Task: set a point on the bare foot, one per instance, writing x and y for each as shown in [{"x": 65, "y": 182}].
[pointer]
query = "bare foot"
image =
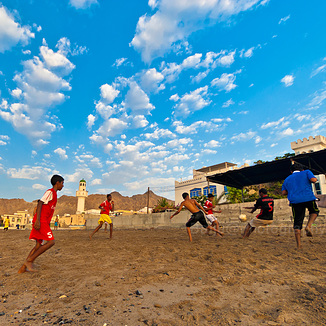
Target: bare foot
[
  {"x": 308, "y": 232},
  {"x": 30, "y": 267},
  {"x": 90, "y": 237},
  {"x": 22, "y": 269}
]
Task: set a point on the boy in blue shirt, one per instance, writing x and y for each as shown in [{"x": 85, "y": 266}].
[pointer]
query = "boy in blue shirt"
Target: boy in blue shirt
[{"x": 297, "y": 187}]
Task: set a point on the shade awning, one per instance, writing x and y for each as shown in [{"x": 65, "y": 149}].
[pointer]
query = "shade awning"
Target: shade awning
[{"x": 270, "y": 171}]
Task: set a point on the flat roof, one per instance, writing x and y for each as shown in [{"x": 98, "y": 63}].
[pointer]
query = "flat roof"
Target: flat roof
[
  {"x": 271, "y": 171},
  {"x": 216, "y": 167}
]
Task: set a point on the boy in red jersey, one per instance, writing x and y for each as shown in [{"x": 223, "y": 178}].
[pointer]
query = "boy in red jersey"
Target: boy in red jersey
[
  {"x": 41, "y": 224},
  {"x": 209, "y": 208},
  {"x": 106, "y": 207}
]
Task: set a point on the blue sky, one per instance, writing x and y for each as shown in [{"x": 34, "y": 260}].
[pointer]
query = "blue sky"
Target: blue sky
[{"x": 131, "y": 94}]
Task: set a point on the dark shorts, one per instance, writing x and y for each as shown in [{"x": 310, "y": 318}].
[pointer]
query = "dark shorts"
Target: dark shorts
[
  {"x": 197, "y": 217},
  {"x": 299, "y": 211}
]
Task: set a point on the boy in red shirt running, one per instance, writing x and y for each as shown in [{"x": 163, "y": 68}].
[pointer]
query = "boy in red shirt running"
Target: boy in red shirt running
[
  {"x": 41, "y": 224},
  {"x": 209, "y": 208},
  {"x": 106, "y": 207}
]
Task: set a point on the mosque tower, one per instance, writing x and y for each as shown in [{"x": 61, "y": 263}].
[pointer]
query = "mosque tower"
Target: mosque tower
[{"x": 81, "y": 195}]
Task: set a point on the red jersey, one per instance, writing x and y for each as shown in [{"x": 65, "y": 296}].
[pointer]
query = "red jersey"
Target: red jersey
[
  {"x": 106, "y": 207},
  {"x": 49, "y": 200},
  {"x": 209, "y": 207}
]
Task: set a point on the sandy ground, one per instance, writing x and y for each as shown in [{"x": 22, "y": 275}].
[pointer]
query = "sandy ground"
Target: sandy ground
[{"x": 156, "y": 277}]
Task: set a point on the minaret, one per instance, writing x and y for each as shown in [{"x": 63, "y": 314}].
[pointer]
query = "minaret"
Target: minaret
[{"x": 81, "y": 195}]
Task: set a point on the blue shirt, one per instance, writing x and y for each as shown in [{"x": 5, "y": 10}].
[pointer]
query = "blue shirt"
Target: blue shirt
[{"x": 298, "y": 186}]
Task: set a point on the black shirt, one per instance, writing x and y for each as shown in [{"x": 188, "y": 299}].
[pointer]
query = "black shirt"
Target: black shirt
[{"x": 266, "y": 205}]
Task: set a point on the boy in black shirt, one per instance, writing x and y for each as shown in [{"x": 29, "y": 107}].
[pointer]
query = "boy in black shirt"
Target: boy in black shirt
[{"x": 265, "y": 217}]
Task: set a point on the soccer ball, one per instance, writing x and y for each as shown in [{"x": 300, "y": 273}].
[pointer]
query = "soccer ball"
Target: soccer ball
[{"x": 243, "y": 217}]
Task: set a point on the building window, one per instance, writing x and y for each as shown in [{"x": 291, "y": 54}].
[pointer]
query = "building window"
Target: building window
[
  {"x": 318, "y": 189},
  {"x": 195, "y": 192},
  {"x": 211, "y": 190}
]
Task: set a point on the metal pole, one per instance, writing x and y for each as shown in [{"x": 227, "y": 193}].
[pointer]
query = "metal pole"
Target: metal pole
[{"x": 147, "y": 200}]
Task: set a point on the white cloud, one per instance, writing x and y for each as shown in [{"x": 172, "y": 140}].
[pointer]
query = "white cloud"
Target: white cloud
[
  {"x": 112, "y": 127},
  {"x": 191, "y": 102},
  {"x": 225, "y": 82},
  {"x": 151, "y": 81},
  {"x": 109, "y": 93},
  {"x": 212, "y": 144},
  {"x": 287, "y": 80},
  {"x": 38, "y": 186},
  {"x": 80, "y": 173},
  {"x": 243, "y": 136},
  {"x": 137, "y": 100},
  {"x": 175, "y": 20},
  {"x": 258, "y": 139},
  {"x": 61, "y": 152},
  {"x": 318, "y": 70},
  {"x": 11, "y": 33},
  {"x": 42, "y": 85},
  {"x": 287, "y": 132},
  {"x": 228, "y": 103},
  {"x": 30, "y": 173},
  {"x": 139, "y": 121},
  {"x": 180, "y": 128},
  {"x": 284, "y": 19},
  {"x": 227, "y": 60},
  {"x": 159, "y": 133},
  {"x": 208, "y": 151},
  {"x": 82, "y": 4},
  {"x": 90, "y": 121},
  {"x": 119, "y": 62},
  {"x": 273, "y": 124},
  {"x": 95, "y": 182}
]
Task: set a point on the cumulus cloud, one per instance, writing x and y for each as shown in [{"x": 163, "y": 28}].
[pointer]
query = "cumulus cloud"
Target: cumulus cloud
[
  {"x": 159, "y": 133},
  {"x": 287, "y": 132},
  {"x": 30, "y": 173},
  {"x": 175, "y": 20},
  {"x": 151, "y": 81},
  {"x": 287, "y": 80},
  {"x": 61, "y": 152},
  {"x": 96, "y": 182},
  {"x": 137, "y": 100},
  {"x": 225, "y": 82},
  {"x": 38, "y": 186},
  {"x": 80, "y": 173},
  {"x": 82, "y": 4},
  {"x": 243, "y": 136},
  {"x": 11, "y": 32},
  {"x": 213, "y": 144},
  {"x": 109, "y": 93},
  {"x": 228, "y": 103},
  {"x": 90, "y": 121},
  {"x": 41, "y": 86},
  {"x": 191, "y": 102}
]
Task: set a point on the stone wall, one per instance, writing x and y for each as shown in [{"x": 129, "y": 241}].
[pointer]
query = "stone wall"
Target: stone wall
[{"x": 229, "y": 216}]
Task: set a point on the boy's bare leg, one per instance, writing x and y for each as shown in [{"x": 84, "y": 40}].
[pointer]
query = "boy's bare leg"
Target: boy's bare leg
[
  {"x": 215, "y": 230},
  {"x": 189, "y": 234},
  {"x": 106, "y": 227},
  {"x": 297, "y": 234},
  {"x": 22, "y": 269},
  {"x": 312, "y": 218},
  {"x": 97, "y": 228},
  {"x": 111, "y": 229},
  {"x": 39, "y": 251}
]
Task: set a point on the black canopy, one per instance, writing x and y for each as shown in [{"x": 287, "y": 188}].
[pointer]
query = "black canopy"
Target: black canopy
[{"x": 271, "y": 171}]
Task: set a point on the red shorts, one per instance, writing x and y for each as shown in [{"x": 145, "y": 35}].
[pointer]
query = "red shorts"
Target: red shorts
[{"x": 44, "y": 233}]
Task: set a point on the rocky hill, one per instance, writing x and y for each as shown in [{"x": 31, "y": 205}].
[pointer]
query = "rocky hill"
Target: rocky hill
[{"x": 68, "y": 204}]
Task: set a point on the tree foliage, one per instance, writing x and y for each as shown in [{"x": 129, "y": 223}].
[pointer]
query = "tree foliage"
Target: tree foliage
[{"x": 162, "y": 205}]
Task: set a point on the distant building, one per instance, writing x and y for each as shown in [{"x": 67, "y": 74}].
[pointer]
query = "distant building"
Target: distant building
[
  {"x": 21, "y": 218},
  {"x": 81, "y": 195},
  {"x": 312, "y": 144},
  {"x": 198, "y": 185}
]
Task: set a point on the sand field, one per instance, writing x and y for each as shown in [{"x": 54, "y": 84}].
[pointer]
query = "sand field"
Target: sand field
[{"x": 157, "y": 277}]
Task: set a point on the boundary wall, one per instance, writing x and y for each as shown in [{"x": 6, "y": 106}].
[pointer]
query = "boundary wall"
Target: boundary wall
[{"x": 228, "y": 217}]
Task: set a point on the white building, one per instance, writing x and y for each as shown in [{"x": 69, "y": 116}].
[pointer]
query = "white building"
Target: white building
[
  {"x": 313, "y": 144},
  {"x": 198, "y": 185},
  {"x": 81, "y": 195}
]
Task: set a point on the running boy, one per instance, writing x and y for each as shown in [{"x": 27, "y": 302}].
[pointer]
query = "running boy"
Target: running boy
[
  {"x": 106, "y": 207},
  {"x": 209, "y": 209},
  {"x": 197, "y": 214},
  {"x": 41, "y": 224},
  {"x": 265, "y": 217}
]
